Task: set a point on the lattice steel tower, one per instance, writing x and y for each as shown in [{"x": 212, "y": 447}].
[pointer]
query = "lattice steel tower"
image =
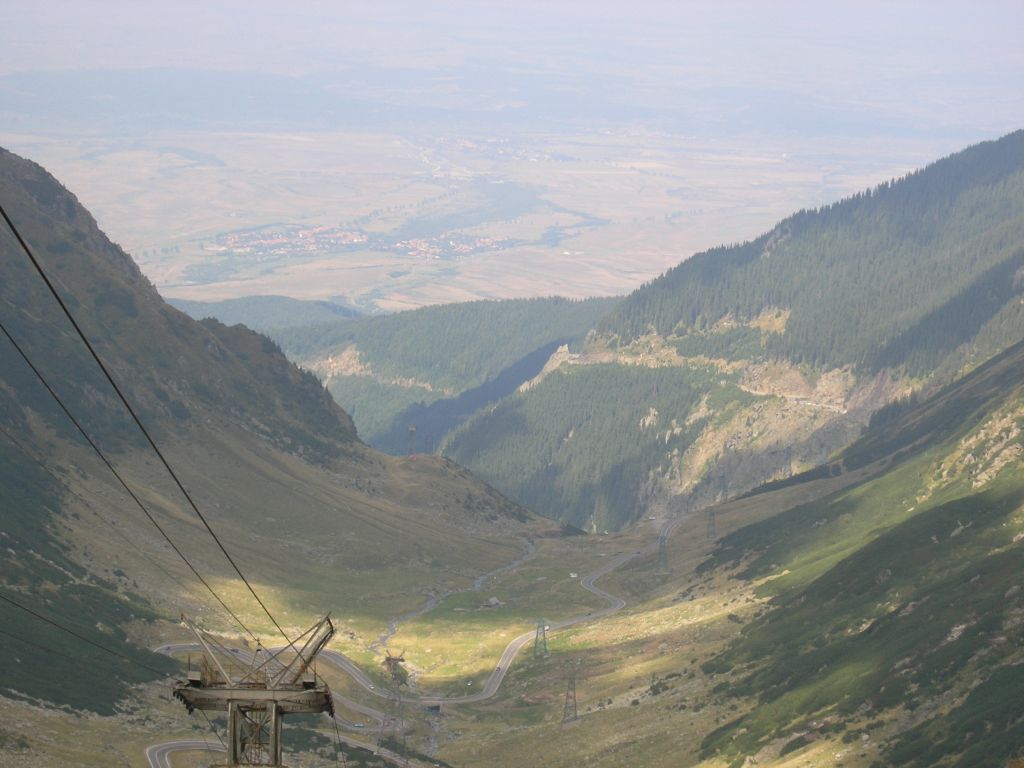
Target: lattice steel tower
[
  {"x": 540, "y": 639},
  {"x": 569, "y": 709},
  {"x": 711, "y": 532},
  {"x": 661, "y": 564}
]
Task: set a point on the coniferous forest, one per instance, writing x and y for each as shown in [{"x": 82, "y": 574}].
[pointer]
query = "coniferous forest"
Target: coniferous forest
[{"x": 902, "y": 288}]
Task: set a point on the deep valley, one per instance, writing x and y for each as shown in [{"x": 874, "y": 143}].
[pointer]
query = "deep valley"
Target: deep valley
[{"x": 767, "y": 509}]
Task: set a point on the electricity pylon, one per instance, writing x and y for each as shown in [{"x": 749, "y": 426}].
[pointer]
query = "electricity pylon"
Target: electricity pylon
[
  {"x": 540, "y": 640},
  {"x": 395, "y": 669},
  {"x": 257, "y": 695},
  {"x": 711, "y": 533},
  {"x": 569, "y": 709},
  {"x": 397, "y": 709},
  {"x": 661, "y": 565}
]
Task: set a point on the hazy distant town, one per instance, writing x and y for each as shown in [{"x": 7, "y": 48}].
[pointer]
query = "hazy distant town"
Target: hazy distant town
[{"x": 292, "y": 241}]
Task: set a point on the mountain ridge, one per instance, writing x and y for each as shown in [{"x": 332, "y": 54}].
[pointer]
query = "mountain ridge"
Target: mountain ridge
[
  {"x": 828, "y": 316},
  {"x": 912, "y": 568},
  {"x": 901, "y": 288},
  {"x": 259, "y": 444}
]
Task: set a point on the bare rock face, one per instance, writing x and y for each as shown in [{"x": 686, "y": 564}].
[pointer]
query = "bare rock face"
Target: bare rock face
[
  {"x": 802, "y": 420},
  {"x": 768, "y": 441}
]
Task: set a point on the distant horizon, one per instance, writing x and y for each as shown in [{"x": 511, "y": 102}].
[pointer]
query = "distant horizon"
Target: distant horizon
[{"x": 637, "y": 135}]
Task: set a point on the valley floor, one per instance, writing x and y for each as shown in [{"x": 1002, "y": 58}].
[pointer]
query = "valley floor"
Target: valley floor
[{"x": 637, "y": 669}]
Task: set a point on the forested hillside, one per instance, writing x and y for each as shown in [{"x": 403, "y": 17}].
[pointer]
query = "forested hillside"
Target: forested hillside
[
  {"x": 579, "y": 446},
  {"x": 899, "y": 276},
  {"x": 265, "y": 314},
  {"x": 743, "y": 365},
  {"x": 454, "y": 347},
  {"x": 809, "y": 329},
  {"x": 435, "y": 366}
]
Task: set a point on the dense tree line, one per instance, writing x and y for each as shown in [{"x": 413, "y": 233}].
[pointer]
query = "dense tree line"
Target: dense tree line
[
  {"x": 900, "y": 275},
  {"x": 452, "y": 346},
  {"x": 265, "y": 313},
  {"x": 924, "y": 275},
  {"x": 583, "y": 446}
]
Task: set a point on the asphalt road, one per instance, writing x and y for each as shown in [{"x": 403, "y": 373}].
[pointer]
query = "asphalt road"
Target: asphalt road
[{"x": 157, "y": 753}]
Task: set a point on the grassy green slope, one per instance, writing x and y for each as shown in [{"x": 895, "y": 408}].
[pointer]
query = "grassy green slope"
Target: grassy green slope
[
  {"x": 317, "y": 520},
  {"x": 896, "y": 601},
  {"x": 40, "y": 661}
]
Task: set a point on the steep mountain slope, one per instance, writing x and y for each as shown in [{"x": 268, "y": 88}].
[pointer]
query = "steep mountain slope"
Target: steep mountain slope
[
  {"x": 786, "y": 345},
  {"x": 605, "y": 437},
  {"x": 40, "y": 574},
  {"x": 867, "y": 613},
  {"x": 169, "y": 361},
  {"x": 898, "y": 276},
  {"x": 318, "y": 521},
  {"x": 435, "y": 366},
  {"x": 895, "y": 605}
]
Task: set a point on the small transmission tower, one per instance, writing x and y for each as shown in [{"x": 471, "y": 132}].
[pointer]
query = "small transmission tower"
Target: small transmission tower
[
  {"x": 540, "y": 640},
  {"x": 412, "y": 439},
  {"x": 397, "y": 739},
  {"x": 399, "y": 675},
  {"x": 257, "y": 695},
  {"x": 711, "y": 532},
  {"x": 569, "y": 709},
  {"x": 661, "y": 564}
]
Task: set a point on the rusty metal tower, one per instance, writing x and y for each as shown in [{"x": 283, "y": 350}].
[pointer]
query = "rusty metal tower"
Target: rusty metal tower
[
  {"x": 398, "y": 673},
  {"x": 257, "y": 690}
]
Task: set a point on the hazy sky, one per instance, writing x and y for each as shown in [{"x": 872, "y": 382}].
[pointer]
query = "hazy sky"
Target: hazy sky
[
  {"x": 927, "y": 66},
  {"x": 668, "y": 126}
]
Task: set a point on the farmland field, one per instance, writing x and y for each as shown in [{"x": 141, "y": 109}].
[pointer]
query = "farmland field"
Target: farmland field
[{"x": 389, "y": 221}]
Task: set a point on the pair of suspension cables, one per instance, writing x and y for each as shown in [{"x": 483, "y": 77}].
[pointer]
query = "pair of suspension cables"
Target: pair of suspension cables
[{"x": 149, "y": 438}]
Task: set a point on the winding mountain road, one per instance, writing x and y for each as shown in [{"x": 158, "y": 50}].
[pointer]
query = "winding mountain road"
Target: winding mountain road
[
  {"x": 157, "y": 753},
  {"x": 434, "y": 600}
]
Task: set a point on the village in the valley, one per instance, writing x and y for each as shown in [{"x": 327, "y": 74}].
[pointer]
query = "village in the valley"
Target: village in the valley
[{"x": 291, "y": 241}]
